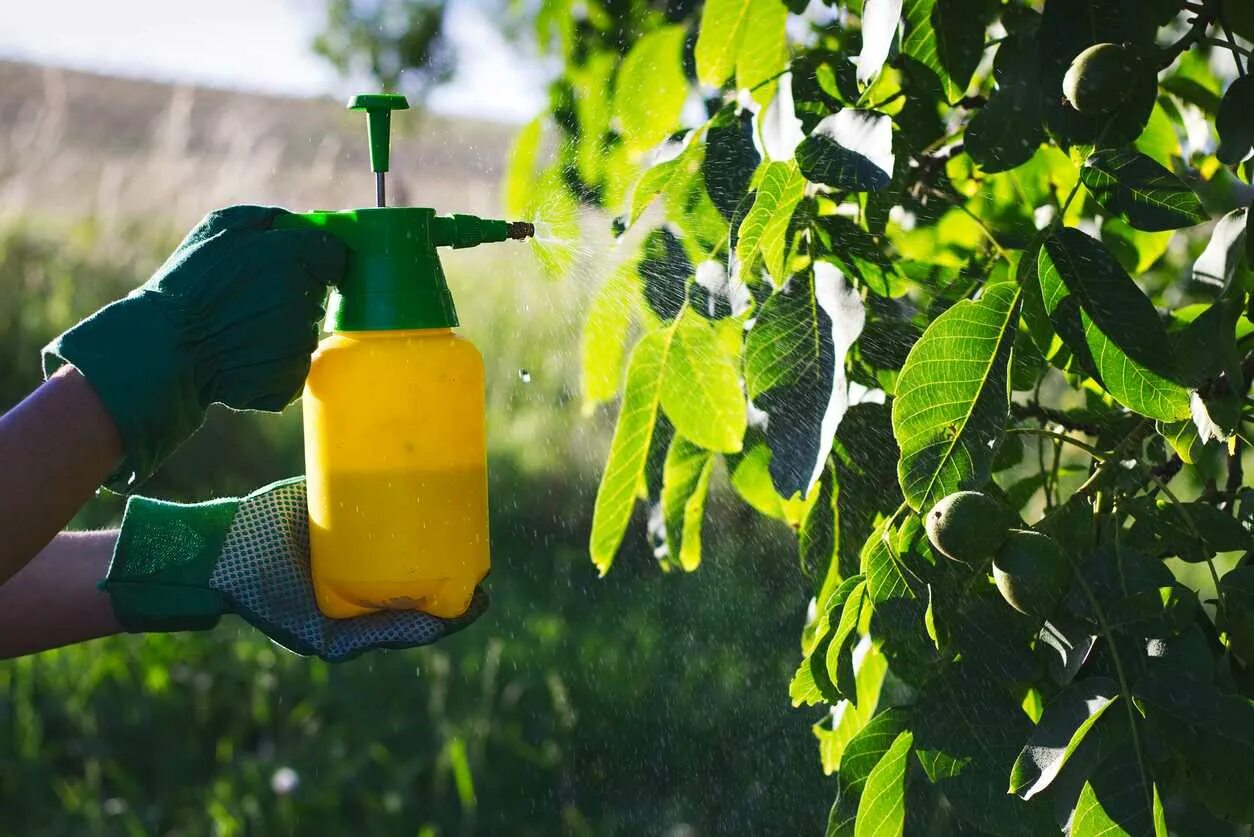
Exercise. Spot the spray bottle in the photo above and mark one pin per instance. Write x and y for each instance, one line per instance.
(395, 448)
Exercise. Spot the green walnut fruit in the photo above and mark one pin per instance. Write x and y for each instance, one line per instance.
(969, 525)
(1031, 572)
(1101, 78)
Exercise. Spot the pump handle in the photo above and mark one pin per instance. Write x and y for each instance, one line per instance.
(378, 108)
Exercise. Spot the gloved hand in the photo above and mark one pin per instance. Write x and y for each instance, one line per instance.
(181, 567)
(232, 317)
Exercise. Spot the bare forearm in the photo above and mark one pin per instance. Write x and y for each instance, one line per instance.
(56, 447)
(53, 600)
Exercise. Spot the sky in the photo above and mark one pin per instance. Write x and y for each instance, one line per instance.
(256, 45)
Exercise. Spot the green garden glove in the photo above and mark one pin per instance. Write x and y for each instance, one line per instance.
(181, 567)
(232, 317)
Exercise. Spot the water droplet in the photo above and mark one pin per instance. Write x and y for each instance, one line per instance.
(524, 375)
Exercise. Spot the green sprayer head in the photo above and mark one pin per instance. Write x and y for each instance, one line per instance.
(394, 279)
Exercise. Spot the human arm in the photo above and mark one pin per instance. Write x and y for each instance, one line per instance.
(56, 447)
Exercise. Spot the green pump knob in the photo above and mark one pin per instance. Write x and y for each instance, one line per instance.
(378, 108)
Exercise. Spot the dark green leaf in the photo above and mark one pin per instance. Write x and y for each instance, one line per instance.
(1237, 589)
(795, 371)
(899, 599)
(953, 396)
(1098, 310)
(1067, 719)
(991, 636)
(1117, 801)
(811, 684)
(967, 735)
(664, 268)
(839, 656)
(1131, 185)
(851, 150)
(1235, 121)
(865, 454)
(817, 540)
(730, 160)
(860, 254)
(1006, 132)
(685, 483)
(882, 808)
(946, 39)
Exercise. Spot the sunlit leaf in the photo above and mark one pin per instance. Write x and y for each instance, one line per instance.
(723, 26)
(604, 336)
(1131, 185)
(953, 395)
(850, 150)
(701, 387)
(762, 231)
(651, 88)
(1098, 310)
(848, 718)
(685, 484)
(882, 809)
(520, 173)
(1068, 717)
(1117, 802)
(839, 655)
(763, 52)
(1224, 252)
(795, 372)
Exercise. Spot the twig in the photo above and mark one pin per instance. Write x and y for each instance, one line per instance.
(1232, 45)
(1037, 410)
(1062, 437)
(1205, 15)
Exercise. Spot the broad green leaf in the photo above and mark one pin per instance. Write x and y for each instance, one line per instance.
(1068, 717)
(1224, 252)
(947, 38)
(762, 231)
(649, 186)
(664, 268)
(701, 388)
(549, 202)
(953, 396)
(848, 718)
(723, 27)
(1235, 122)
(839, 656)
(851, 150)
(605, 336)
(1100, 312)
(897, 596)
(751, 477)
(685, 484)
(731, 157)
(812, 683)
(520, 172)
(1213, 731)
(763, 51)
(879, 28)
(882, 808)
(1007, 131)
(794, 368)
(1136, 250)
(967, 734)
(1184, 439)
(1116, 801)
(861, 256)
(866, 748)
(1131, 185)
(593, 108)
(624, 470)
(650, 92)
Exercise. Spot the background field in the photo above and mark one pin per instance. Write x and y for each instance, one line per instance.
(642, 703)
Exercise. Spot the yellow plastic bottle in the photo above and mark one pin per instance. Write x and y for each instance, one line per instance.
(395, 446)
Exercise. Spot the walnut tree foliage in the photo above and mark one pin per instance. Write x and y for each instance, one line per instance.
(876, 257)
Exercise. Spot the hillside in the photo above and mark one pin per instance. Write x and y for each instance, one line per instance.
(74, 144)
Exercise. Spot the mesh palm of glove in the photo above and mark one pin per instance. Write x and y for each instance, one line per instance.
(231, 317)
(181, 567)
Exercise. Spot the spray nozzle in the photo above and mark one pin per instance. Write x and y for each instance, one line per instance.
(458, 231)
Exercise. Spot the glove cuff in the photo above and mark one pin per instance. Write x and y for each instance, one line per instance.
(158, 579)
(149, 390)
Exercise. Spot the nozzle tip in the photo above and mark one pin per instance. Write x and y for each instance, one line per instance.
(518, 230)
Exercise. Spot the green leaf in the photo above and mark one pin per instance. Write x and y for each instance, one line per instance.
(665, 268)
(764, 53)
(865, 454)
(622, 478)
(651, 89)
(851, 150)
(896, 594)
(1007, 131)
(848, 718)
(1224, 252)
(1099, 311)
(947, 38)
(879, 29)
(762, 231)
(520, 172)
(1131, 185)
(795, 371)
(953, 396)
(730, 160)
(839, 656)
(868, 747)
(604, 339)
(882, 808)
(1116, 801)
(967, 735)
(1183, 438)
(1235, 122)
(723, 27)
(1067, 719)
(701, 387)
(649, 186)
(812, 683)
(685, 483)
(817, 539)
